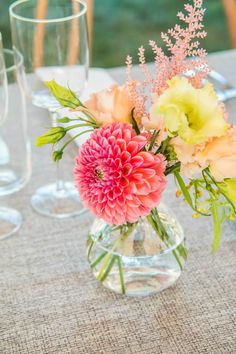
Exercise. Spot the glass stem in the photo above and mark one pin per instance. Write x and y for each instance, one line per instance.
(59, 177)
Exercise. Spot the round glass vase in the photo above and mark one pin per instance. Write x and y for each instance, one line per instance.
(138, 259)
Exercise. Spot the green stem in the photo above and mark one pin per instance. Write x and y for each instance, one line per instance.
(104, 264)
(109, 268)
(77, 126)
(182, 251)
(68, 120)
(90, 247)
(163, 146)
(74, 137)
(121, 275)
(158, 226)
(90, 116)
(217, 225)
(186, 194)
(109, 254)
(154, 137)
(172, 169)
(177, 259)
(207, 172)
(161, 227)
(98, 260)
(134, 123)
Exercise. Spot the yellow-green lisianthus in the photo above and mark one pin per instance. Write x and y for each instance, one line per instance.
(228, 187)
(193, 114)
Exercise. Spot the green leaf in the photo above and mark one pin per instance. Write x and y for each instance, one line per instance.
(217, 226)
(186, 193)
(64, 96)
(52, 136)
(227, 188)
(184, 189)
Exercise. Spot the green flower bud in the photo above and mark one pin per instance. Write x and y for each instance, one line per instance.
(64, 120)
(171, 153)
(52, 136)
(64, 96)
(57, 155)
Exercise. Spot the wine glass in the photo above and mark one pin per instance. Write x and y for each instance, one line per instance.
(52, 37)
(10, 219)
(3, 84)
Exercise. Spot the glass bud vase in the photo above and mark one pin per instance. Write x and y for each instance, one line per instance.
(138, 259)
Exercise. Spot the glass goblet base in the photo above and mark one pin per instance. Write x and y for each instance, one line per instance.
(58, 202)
(10, 222)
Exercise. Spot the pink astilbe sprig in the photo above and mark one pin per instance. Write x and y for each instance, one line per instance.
(182, 42)
(116, 179)
(135, 88)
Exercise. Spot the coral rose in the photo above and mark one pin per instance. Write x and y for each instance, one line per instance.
(111, 105)
(116, 179)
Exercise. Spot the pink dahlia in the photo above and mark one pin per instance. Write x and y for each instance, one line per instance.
(116, 179)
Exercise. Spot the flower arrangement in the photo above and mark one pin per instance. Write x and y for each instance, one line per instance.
(171, 123)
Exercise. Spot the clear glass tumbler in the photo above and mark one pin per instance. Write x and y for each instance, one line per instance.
(52, 38)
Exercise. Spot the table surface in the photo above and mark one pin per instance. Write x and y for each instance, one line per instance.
(50, 302)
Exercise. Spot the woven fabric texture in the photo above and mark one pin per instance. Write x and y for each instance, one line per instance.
(50, 302)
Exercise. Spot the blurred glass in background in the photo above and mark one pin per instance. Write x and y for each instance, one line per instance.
(15, 159)
(121, 26)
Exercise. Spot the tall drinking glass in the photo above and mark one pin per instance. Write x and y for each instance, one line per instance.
(52, 38)
(15, 165)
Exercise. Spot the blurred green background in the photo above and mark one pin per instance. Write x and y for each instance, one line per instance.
(121, 26)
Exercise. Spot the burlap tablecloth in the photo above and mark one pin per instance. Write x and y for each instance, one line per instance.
(50, 302)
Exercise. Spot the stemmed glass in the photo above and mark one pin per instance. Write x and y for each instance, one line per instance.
(10, 219)
(52, 37)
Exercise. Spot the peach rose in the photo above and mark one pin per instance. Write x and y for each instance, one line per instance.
(111, 105)
(188, 156)
(220, 155)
